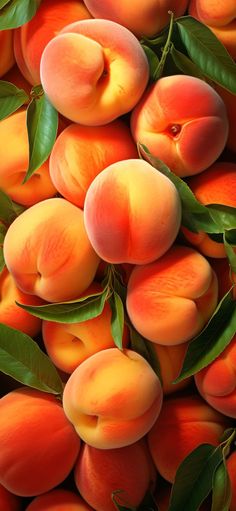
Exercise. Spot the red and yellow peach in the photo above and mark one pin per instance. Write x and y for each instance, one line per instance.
(58, 500)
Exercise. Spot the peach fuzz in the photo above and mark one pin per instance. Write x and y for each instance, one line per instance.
(220, 18)
(216, 185)
(58, 500)
(68, 345)
(48, 253)
(94, 71)
(217, 382)
(115, 415)
(14, 157)
(231, 468)
(12, 315)
(98, 473)
(186, 131)
(9, 501)
(183, 424)
(170, 300)
(147, 18)
(171, 359)
(7, 59)
(35, 431)
(32, 37)
(131, 234)
(82, 152)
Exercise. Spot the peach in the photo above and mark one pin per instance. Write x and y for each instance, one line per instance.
(31, 39)
(58, 500)
(216, 185)
(94, 71)
(9, 501)
(98, 473)
(7, 59)
(70, 344)
(113, 398)
(82, 152)
(170, 300)
(131, 234)
(12, 315)
(186, 131)
(48, 253)
(217, 382)
(230, 104)
(225, 278)
(231, 468)
(220, 17)
(171, 360)
(14, 157)
(184, 423)
(38, 444)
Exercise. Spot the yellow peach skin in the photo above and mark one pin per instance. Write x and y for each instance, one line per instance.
(38, 444)
(131, 234)
(170, 300)
(48, 253)
(58, 500)
(82, 152)
(94, 71)
(9, 501)
(7, 58)
(113, 398)
(189, 130)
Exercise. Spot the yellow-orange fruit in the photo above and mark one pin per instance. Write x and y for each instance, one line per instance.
(170, 360)
(58, 500)
(7, 58)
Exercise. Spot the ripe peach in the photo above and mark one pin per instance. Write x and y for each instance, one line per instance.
(113, 398)
(216, 185)
(58, 500)
(171, 360)
(9, 501)
(47, 251)
(231, 468)
(217, 382)
(170, 300)
(131, 234)
(31, 39)
(147, 18)
(82, 152)
(183, 424)
(14, 157)
(94, 71)
(99, 473)
(187, 131)
(38, 444)
(7, 59)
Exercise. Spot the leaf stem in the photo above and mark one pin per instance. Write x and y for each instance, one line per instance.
(166, 48)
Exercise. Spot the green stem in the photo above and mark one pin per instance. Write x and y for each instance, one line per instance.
(166, 49)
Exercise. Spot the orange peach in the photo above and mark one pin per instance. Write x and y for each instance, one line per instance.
(171, 360)
(7, 59)
(48, 253)
(216, 185)
(231, 468)
(9, 501)
(14, 157)
(187, 131)
(217, 382)
(98, 473)
(113, 398)
(147, 18)
(170, 300)
(94, 71)
(82, 152)
(31, 39)
(58, 500)
(184, 423)
(70, 344)
(132, 213)
(38, 444)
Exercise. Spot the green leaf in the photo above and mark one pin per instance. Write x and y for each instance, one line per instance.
(3, 231)
(11, 98)
(165, 50)
(73, 311)
(184, 64)
(223, 216)
(3, 2)
(212, 340)
(118, 499)
(221, 489)
(207, 52)
(230, 253)
(117, 319)
(193, 481)
(153, 61)
(9, 210)
(42, 124)
(22, 359)
(145, 348)
(15, 13)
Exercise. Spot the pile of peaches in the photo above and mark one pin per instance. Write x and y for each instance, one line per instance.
(100, 270)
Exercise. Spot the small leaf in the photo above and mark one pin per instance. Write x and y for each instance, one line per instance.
(118, 499)
(3, 231)
(145, 348)
(184, 64)
(15, 13)
(73, 311)
(22, 359)
(117, 319)
(193, 481)
(221, 489)
(212, 340)
(230, 253)
(42, 124)
(11, 98)
(153, 61)
(207, 52)
(9, 210)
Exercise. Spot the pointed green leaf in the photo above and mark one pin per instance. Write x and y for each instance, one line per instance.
(42, 124)
(15, 13)
(223, 216)
(145, 348)
(153, 61)
(117, 319)
(230, 251)
(221, 489)
(212, 340)
(9, 210)
(185, 64)
(207, 52)
(193, 481)
(22, 359)
(11, 98)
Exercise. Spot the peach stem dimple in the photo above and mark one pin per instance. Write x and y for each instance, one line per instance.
(174, 129)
